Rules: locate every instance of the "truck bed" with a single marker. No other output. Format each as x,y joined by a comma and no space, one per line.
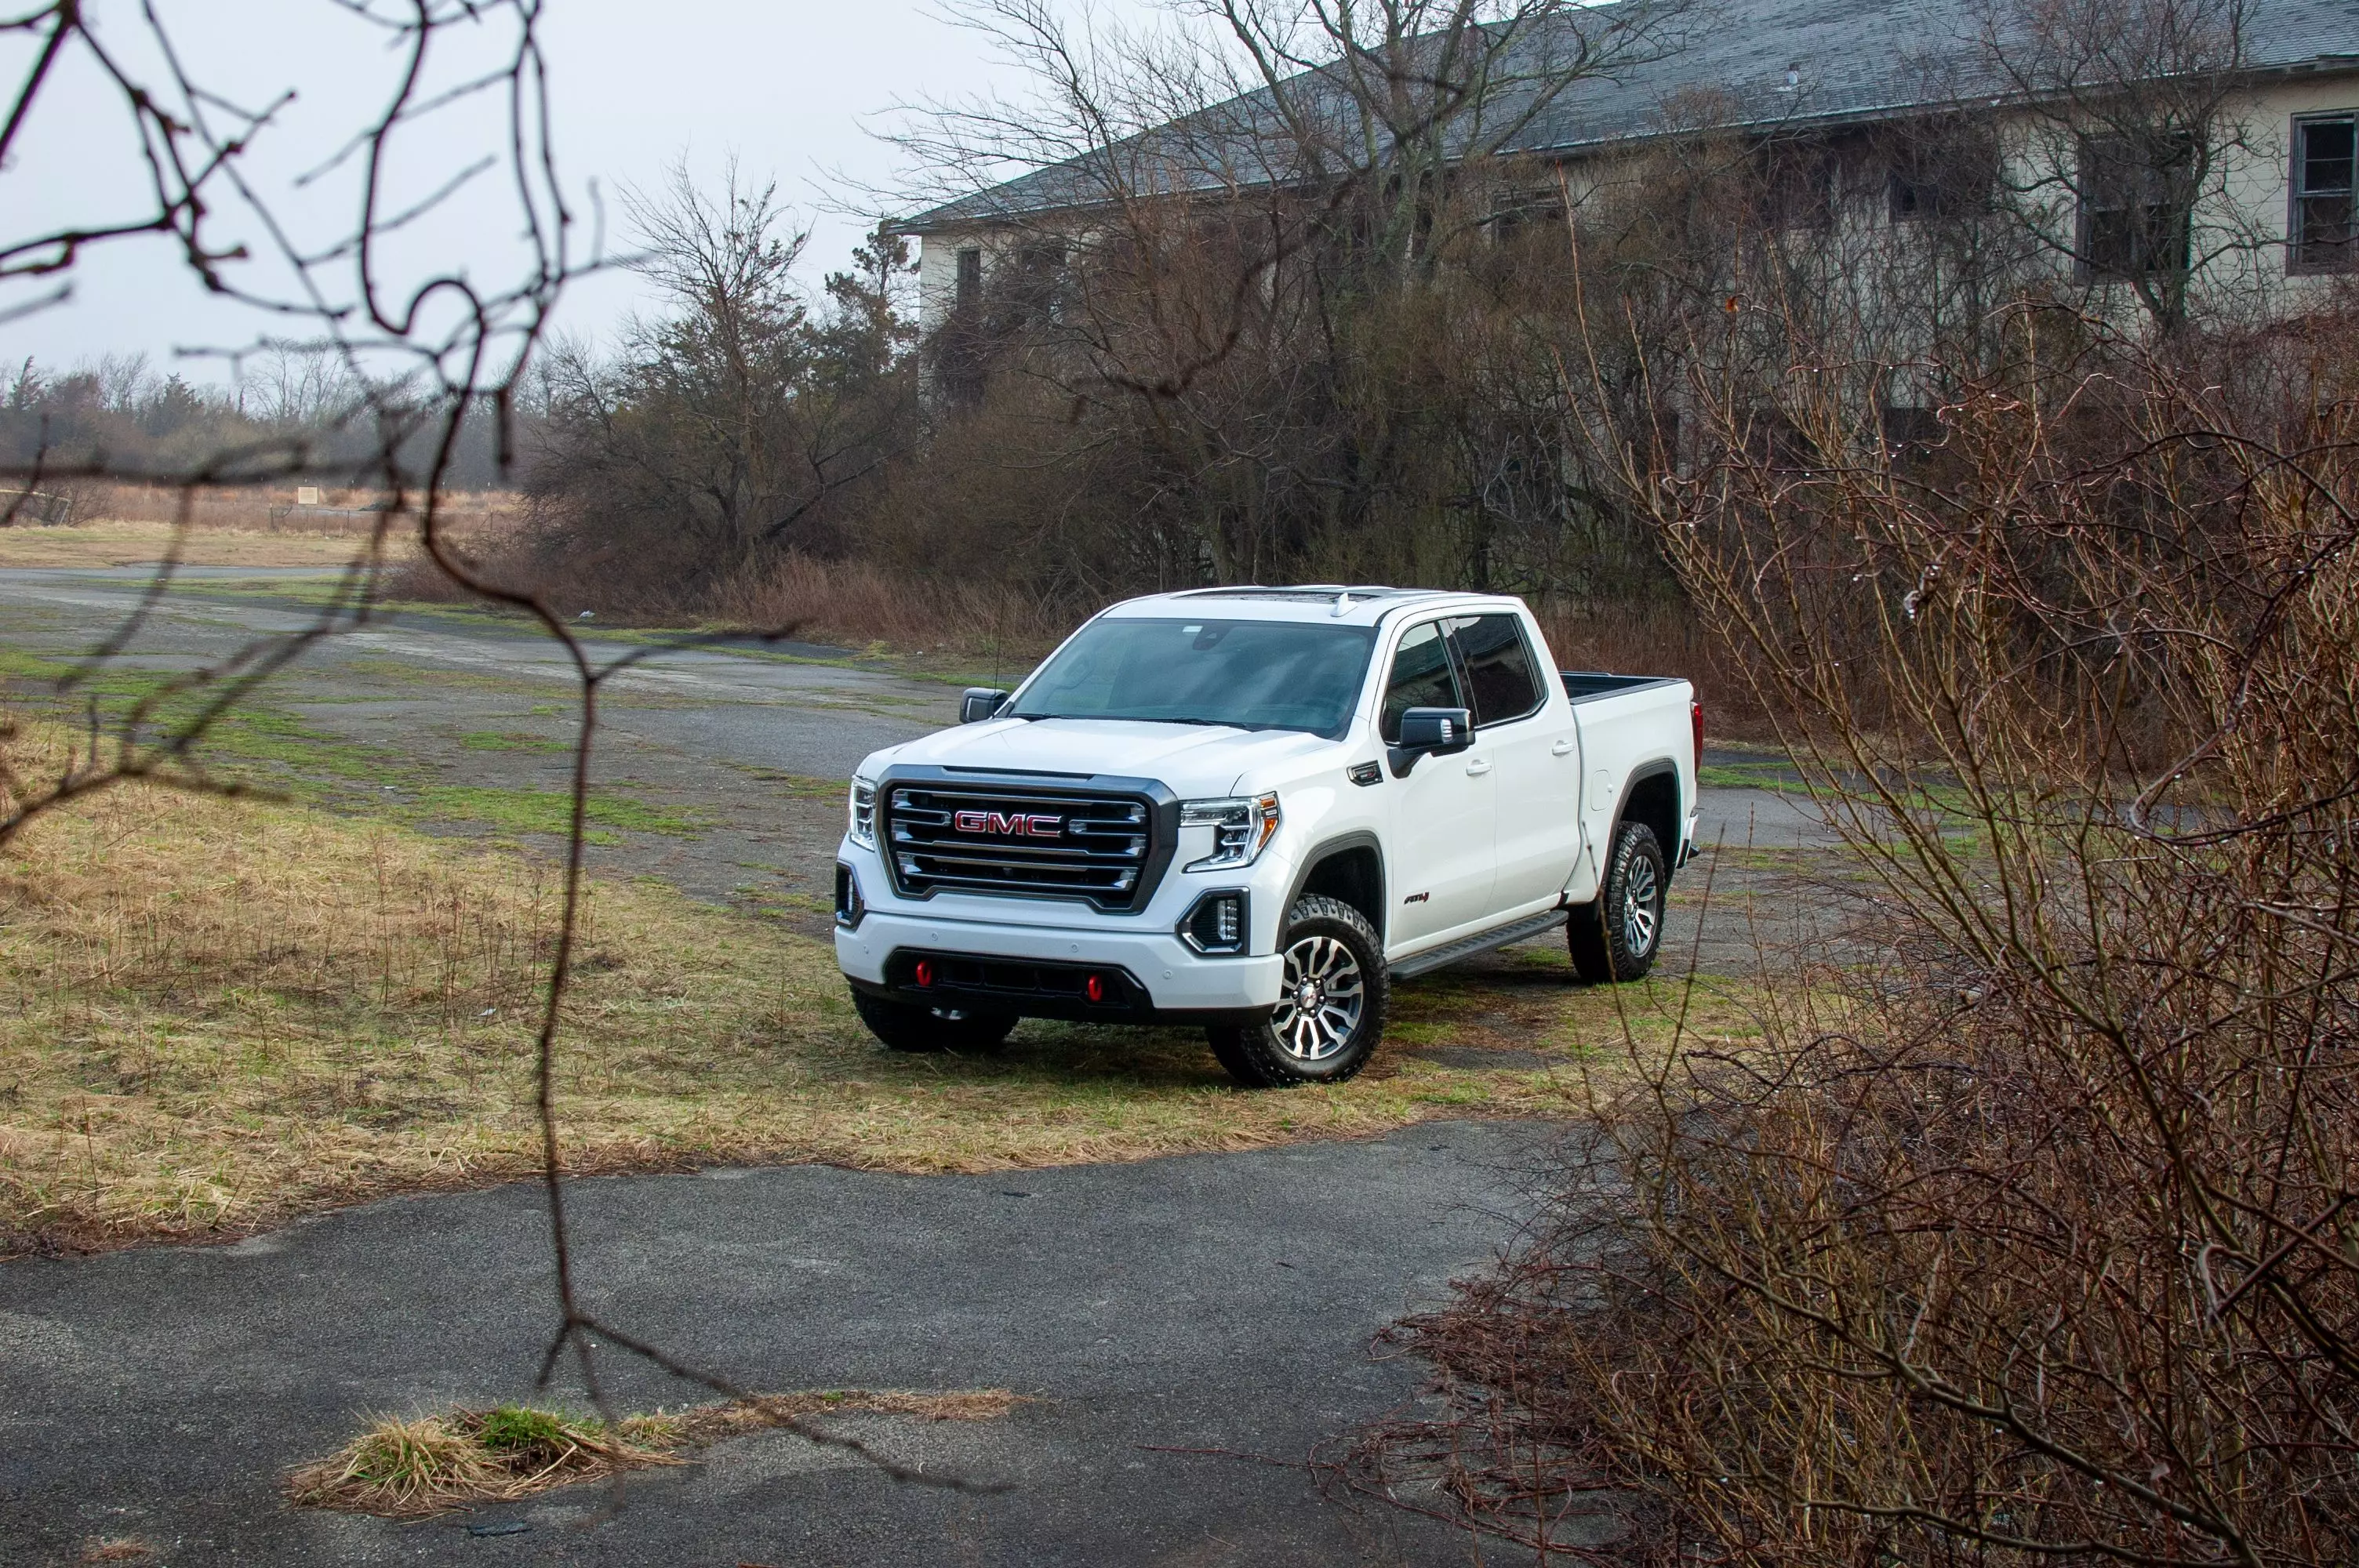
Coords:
1582,685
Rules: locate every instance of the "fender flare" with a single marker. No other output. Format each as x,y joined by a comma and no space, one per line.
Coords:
1325,851
1654,768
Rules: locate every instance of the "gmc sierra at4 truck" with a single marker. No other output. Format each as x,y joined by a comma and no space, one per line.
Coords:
1253,809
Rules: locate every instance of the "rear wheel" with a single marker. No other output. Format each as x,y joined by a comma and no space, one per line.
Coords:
1616,936
1331,1011
907,1028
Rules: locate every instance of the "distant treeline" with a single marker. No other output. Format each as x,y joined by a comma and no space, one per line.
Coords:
291,414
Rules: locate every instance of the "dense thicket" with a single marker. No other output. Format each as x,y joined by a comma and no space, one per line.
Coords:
732,430
1378,346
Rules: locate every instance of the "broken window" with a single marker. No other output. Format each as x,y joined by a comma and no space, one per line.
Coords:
2322,165
2135,207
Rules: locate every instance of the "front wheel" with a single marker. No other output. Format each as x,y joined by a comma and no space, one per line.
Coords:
1331,1011
1616,936
907,1028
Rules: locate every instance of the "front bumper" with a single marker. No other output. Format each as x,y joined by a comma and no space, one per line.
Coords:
1158,977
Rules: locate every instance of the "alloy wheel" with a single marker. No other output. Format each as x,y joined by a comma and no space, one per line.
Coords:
1640,916
1323,997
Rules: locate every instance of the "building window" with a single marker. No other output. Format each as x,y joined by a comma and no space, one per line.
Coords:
1914,194
1516,212
970,279
2135,208
2320,232
1797,185
1935,170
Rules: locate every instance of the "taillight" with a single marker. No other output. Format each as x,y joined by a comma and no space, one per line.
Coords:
1695,716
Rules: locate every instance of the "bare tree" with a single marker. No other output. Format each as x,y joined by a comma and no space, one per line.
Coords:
734,428
2126,167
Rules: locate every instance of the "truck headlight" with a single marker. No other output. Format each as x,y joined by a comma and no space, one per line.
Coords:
863,813
1241,827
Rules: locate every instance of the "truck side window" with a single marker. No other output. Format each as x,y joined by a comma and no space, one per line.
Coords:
1422,678
1498,667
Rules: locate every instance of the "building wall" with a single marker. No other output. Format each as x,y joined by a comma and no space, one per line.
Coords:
2260,185
938,274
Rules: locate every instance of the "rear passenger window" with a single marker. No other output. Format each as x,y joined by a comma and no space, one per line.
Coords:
1422,678
1499,667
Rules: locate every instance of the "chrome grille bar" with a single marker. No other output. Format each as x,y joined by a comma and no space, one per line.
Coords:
985,839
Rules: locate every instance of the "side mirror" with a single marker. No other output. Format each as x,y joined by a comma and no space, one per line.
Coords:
1438,730
981,702
1431,731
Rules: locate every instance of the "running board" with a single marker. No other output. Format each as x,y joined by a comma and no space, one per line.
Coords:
1481,942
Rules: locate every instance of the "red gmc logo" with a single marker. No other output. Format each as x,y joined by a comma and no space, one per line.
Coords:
1009,824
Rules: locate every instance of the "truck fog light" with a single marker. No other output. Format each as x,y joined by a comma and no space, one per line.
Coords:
850,907
1216,922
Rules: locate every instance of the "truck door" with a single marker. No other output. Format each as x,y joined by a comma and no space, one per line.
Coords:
1527,733
1443,853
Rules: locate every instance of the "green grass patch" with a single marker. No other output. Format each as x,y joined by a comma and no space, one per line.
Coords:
794,787
1748,775
511,740
551,811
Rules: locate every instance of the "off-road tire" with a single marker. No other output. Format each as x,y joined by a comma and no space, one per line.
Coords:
1617,935
1326,941
907,1028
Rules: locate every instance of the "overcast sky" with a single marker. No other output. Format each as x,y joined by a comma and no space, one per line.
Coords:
794,88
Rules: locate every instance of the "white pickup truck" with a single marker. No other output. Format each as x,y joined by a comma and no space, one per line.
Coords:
1252,808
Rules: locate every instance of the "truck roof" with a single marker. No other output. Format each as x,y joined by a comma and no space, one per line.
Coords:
1362,604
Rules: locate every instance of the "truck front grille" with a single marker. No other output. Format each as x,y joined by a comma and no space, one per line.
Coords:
1095,846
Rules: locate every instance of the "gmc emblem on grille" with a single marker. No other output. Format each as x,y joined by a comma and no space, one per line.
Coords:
1010,824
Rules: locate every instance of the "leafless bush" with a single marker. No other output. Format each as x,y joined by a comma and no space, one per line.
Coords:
2037,1235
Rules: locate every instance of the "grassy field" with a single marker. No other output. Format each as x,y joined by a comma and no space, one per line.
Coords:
130,544
217,1014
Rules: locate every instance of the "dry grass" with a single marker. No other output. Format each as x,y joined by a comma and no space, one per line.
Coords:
711,1423
411,1469
132,524
137,544
270,509
432,1465
216,1014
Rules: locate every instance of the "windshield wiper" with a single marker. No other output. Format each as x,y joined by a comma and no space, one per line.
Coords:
1149,719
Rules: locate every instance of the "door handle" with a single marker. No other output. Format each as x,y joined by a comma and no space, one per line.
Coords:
1476,768
1562,749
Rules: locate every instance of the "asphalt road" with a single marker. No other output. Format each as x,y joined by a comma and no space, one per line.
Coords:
1206,1301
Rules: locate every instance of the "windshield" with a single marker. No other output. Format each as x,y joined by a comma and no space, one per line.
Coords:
1253,674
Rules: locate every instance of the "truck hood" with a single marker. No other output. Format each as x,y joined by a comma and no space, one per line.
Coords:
1192,760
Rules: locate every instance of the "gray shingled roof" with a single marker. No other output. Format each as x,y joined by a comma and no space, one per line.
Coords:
1851,59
